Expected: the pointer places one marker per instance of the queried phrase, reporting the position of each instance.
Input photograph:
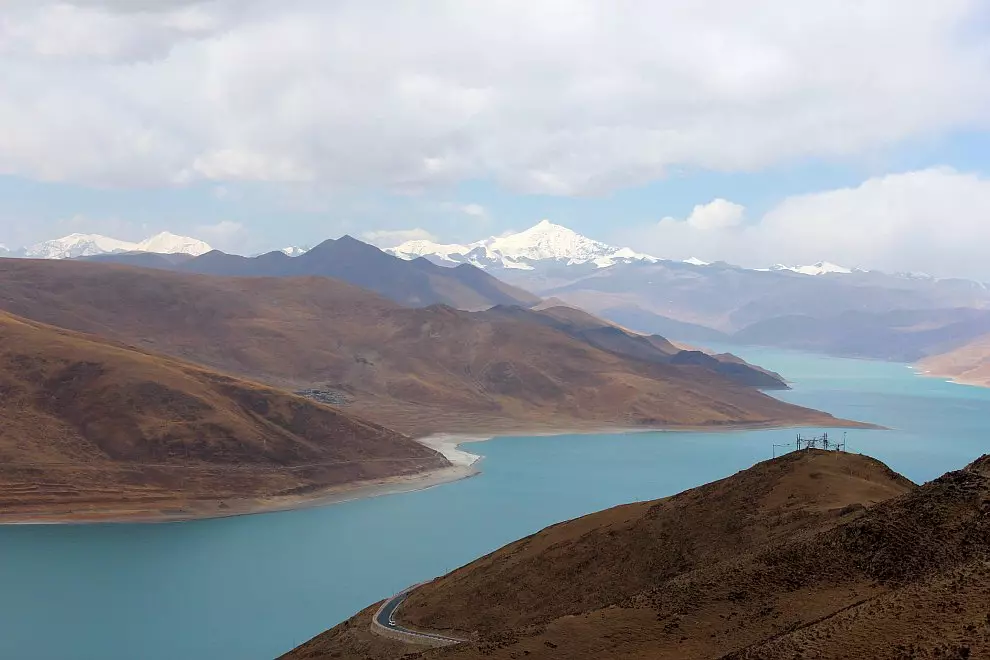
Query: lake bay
(253, 587)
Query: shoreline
(329, 496)
(464, 465)
(947, 378)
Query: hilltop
(417, 370)
(813, 554)
(93, 429)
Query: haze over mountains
(822, 307)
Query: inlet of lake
(252, 587)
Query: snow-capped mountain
(295, 250)
(78, 245)
(543, 242)
(169, 243)
(820, 268)
(90, 245)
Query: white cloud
(475, 210)
(392, 237)
(471, 209)
(716, 214)
(107, 31)
(553, 97)
(243, 165)
(934, 220)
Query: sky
(770, 131)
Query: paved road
(385, 619)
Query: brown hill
(610, 337)
(89, 426)
(812, 555)
(968, 364)
(416, 370)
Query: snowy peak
(78, 245)
(423, 248)
(169, 243)
(295, 250)
(820, 268)
(549, 241)
(542, 242)
(90, 245)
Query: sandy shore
(447, 444)
(960, 379)
(464, 465)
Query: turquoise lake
(253, 587)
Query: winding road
(384, 624)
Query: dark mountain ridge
(417, 283)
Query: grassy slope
(88, 424)
(814, 554)
(416, 370)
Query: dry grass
(86, 424)
(415, 370)
(813, 555)
(969, 363)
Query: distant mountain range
(820, 268)
(823, 307)
(88, 245)
(526, 250)
(416, 283)
(542, 242)
(548, 243)
(536, 247)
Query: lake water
(253, 587)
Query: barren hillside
(815, 554)
(968, 364)
(416, 370)
(88, 427)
